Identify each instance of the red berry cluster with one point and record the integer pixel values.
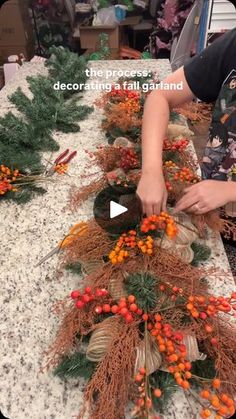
(144, 402)
(126, 307)
(83, 298)
(169, 186)
(176, 145)
(206, 307)
(129, 159)
(123, 93)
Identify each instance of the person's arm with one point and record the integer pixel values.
(202, 77)
(151, 189)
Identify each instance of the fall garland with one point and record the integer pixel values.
(144, 323)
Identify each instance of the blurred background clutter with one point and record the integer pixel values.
(121, 29)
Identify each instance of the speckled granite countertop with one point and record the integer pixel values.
(29, 232)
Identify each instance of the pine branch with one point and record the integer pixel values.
(172, 155)
(201, 253)
(166, 383)
(143, 287)
(67, 67)
(23, 137)
(24, 195)
(76, 365)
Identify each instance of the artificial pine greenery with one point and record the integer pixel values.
(76, 365)
(204, 369)
(67, 67)
(201, 253)
(23, 195)
(24, 137)
(48, 109)
(172, 155)
(143, 287)
(166, 383)
(174, 117)
(75, 268)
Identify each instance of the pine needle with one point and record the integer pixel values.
(201, 253)
(76, 365)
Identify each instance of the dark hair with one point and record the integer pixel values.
(230, 122)
(217, 129)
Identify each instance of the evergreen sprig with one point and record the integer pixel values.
(24, 137)
(76, 365)
(23, 195)
(75, 268)
(48, 109)
(166, 383)
(143, 287)
(202, 253)
(67, 67)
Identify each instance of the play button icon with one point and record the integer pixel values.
(116, 209)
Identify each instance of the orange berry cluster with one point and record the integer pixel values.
(186, 175)
(61, 168)
(130, 106)
(160, 222)
(7, 176)
(171, 346)
(146, 245)
(169, 164)
(203, 307)
(128, 241)
(220, 404)
(143, 400)
(126, 308)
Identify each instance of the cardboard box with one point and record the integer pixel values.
(15, 24)
(6, 50)
(89, 36)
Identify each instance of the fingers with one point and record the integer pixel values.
(164, 202)
(199, 210)
(186, 202)
(145, 209)
(156, 209)
(192, 188)
(149, 208)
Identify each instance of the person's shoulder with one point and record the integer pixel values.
(228, 38)
(232, 33)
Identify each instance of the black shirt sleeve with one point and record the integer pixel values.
(206, 72)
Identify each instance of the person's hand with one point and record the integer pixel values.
(152, 193)
(206, 196)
